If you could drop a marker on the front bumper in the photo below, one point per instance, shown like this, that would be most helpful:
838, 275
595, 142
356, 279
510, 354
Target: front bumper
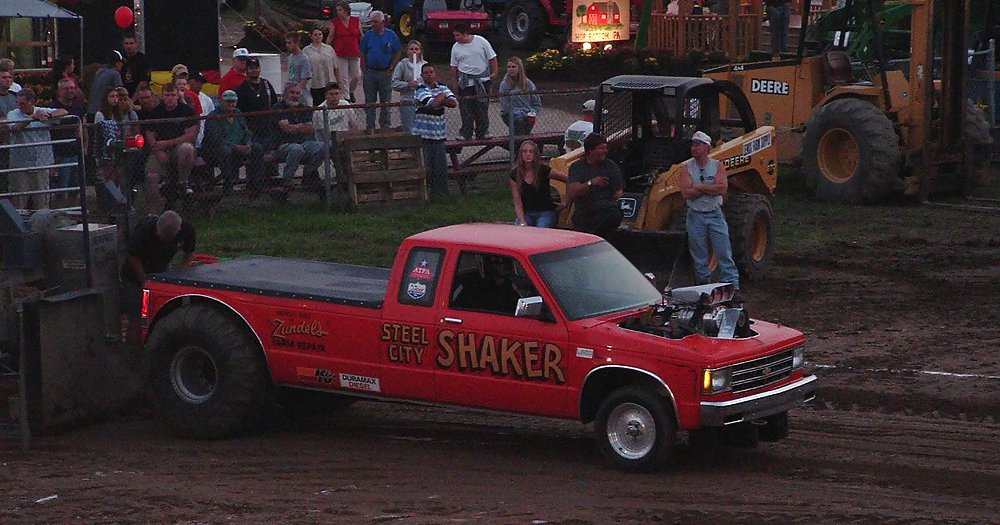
721, 413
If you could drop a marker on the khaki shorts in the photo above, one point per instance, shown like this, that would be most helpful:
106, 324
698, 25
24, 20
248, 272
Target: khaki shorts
164, 171
350, 69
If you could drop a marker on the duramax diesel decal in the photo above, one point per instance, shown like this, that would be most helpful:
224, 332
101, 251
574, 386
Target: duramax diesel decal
530, 360
368, 384
315, 376
407, 343
299, 334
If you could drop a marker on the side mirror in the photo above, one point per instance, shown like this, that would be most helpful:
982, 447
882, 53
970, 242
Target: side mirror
530, 307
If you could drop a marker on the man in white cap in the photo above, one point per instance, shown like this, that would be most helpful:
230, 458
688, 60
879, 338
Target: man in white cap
579, 130
236, 74
703, 184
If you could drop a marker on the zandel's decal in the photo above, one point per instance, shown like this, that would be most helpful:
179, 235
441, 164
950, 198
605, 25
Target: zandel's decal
292, 334
530, 360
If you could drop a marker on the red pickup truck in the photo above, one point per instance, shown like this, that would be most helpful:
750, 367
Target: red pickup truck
527, 320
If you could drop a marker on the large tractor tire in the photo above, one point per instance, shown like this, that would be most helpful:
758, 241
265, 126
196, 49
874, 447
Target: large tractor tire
406, 25
751, 232
850, 153
207, 375
524, 23
635, 430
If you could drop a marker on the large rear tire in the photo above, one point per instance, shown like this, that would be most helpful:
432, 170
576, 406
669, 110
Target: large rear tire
524, 23
850, 153
751, 232
406, 25
207, 375
635, 430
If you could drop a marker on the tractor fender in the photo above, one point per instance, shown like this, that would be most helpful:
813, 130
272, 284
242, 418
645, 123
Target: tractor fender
870, 94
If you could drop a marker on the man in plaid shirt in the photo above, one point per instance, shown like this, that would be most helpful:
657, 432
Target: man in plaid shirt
431, 126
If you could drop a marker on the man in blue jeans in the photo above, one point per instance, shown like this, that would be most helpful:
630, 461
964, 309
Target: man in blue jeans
296, 139
779, 15
380, 50
703, 184
430, 125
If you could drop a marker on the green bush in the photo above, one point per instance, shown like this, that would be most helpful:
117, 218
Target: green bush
599, 63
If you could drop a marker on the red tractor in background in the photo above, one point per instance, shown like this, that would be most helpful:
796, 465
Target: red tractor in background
522, 23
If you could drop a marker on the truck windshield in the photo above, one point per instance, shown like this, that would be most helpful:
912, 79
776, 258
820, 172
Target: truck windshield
594, 279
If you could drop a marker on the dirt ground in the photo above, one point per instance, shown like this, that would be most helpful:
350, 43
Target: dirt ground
900, 320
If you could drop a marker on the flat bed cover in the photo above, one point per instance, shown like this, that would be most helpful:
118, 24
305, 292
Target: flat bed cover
347, 284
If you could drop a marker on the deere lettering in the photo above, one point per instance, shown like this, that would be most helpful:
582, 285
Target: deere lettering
770, 87
736, 162
529, 360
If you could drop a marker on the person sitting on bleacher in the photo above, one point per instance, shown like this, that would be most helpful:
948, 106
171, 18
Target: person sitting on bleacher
297, 144
172, 143
228, 143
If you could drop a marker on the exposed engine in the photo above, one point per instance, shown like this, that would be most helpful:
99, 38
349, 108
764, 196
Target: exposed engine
707, 309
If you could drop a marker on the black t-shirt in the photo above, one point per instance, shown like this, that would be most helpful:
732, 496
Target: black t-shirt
257, 97
68, 149
135, 70
171, 130
536, 198
596, 197
298, 117
154, 253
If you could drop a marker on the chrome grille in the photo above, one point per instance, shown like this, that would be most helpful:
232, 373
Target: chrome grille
762, 372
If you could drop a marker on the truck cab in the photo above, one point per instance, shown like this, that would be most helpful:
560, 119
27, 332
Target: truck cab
533, 321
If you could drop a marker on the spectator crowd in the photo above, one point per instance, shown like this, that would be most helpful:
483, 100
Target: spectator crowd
250, 124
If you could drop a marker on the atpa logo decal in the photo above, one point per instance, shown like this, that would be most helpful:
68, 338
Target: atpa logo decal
769, 87
422, 271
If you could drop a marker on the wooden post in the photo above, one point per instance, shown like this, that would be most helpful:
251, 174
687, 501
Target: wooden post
732, 39
684, 9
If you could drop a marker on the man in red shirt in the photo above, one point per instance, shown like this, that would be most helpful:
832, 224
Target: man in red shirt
238, 73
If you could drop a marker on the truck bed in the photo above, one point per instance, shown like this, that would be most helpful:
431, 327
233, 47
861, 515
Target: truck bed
293, 278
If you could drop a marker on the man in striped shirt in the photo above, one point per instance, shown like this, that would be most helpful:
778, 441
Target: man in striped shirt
431, 126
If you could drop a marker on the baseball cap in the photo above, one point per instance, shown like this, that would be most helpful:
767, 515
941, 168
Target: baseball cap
253, 61
179, 69
702, 137
197, 76
115, 56
230, 95
589, 105
241, 53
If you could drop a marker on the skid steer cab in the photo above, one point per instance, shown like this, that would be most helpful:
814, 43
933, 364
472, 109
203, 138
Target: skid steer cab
648, 122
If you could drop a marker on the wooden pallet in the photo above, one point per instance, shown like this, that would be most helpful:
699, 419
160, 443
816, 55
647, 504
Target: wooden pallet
382, 168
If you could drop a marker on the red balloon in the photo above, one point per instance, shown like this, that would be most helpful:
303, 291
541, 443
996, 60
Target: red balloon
123, 17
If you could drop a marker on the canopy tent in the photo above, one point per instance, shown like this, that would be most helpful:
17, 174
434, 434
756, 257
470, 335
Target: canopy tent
33, 9
39, 9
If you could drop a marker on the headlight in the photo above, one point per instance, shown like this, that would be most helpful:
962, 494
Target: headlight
798, 357
715, 381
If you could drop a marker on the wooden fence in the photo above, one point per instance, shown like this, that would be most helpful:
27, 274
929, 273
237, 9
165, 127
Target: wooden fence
735, 36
